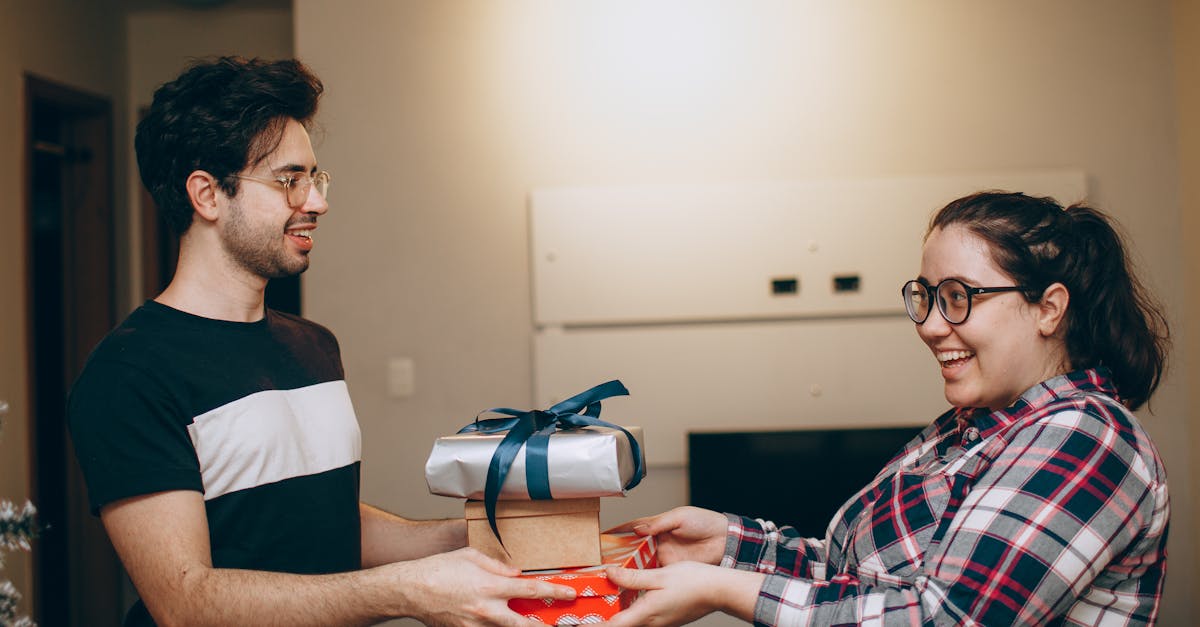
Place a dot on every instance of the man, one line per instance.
(217, 437)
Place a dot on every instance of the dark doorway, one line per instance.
(77, 577)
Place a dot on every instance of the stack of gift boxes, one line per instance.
(533, 484)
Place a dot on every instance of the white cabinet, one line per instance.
(675, 254)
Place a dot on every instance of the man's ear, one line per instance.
(202, 191)
(1052, 308)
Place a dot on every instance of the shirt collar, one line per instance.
(1073, 383)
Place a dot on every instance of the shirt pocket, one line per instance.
(893, 534)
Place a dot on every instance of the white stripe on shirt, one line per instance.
(274, 435)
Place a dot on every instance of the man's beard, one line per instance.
(259, 248)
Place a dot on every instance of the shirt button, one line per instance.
(971, 435)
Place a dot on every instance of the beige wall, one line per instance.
(442, 116)
(1185, 17)
(78, 44)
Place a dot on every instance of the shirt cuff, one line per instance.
(744, 543)
(783, 601)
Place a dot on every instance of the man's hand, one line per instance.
(683, 534)
(465, 587)
(684, 592)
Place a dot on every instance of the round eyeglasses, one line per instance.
(296, 185)
(952, 295)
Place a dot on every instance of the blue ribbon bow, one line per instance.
(533, 429)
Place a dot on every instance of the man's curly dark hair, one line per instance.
(219, 116)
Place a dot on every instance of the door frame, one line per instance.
(93, 575)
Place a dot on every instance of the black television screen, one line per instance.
(797, 478)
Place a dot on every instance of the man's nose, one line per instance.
(315, 202)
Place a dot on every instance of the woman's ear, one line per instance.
(1052, 308)
(202, 191)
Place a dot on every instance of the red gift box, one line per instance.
(597, 598)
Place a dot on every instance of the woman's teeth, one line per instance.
(949, 356)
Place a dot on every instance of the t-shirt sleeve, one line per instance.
(130, 437)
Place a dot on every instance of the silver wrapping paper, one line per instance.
(583, 463)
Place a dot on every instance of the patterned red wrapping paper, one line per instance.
(598, 598)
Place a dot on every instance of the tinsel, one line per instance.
(9, 597)
(17, 528)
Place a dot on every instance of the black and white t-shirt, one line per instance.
(256, 416)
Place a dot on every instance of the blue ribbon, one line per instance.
(532, 429)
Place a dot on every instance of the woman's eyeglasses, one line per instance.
(952, 295)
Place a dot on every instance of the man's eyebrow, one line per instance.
(295, 167)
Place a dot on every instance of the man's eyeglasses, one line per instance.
(953, 299)
(296, 185)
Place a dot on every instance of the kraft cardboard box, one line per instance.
(539, 535)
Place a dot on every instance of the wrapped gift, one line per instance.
(559, 533)
(598, 598)
(581, 463)
(584, 448)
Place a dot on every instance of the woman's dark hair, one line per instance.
(1111, 320)
(219, 116)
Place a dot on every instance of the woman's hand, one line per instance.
(683, 534)
(684, 592)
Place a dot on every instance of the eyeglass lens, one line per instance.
(297, 191)
(916, 301)
(953, 300)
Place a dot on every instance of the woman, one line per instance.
(1037, 499)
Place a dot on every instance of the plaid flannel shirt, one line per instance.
(1052, 511)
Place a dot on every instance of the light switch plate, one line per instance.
(400, 377)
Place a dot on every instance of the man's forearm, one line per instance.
(245, 597)
(388, 538)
